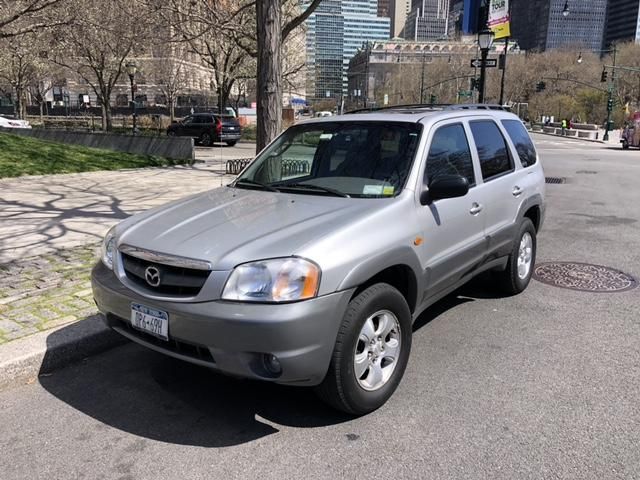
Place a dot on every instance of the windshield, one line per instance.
(362, 160)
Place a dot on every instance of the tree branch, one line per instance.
(297, 21)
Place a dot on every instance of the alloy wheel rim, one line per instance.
(525, 255)
(377, 350)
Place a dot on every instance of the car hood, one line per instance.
(230, 226)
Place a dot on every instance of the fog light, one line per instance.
(271, 364)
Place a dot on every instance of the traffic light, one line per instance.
(603, 78)
(432, 99)
(473, 84)
(610, 104)
(540, 86)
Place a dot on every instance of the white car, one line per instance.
(13, 123)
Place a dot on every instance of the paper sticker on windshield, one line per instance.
(326, 136)
(388, 190)
(372, 190)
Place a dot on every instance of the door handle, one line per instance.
(476, 208)
(517, 191)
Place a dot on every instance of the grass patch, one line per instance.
(30, 156)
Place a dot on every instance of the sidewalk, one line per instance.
(50, 233)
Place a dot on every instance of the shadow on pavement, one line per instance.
(149, 395)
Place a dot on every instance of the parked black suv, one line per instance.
(207, 128)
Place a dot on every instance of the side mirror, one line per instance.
(445, 186)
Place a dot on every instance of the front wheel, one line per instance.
(625, 145)
(515, 278)
(371, 351)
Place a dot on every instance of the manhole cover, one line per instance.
(554, 180)
(584, 277)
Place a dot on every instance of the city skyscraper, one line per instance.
(335, 31)
(623, 22)
(398, 11)
(540, 24)
(428, 20)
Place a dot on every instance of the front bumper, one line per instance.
(234, 336)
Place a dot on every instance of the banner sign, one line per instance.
(499, 18)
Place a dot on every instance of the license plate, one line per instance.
(149, 320)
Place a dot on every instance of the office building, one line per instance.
(384, 8)
(335, 31)
(464, 17)
(540, 24)
(398, 11)
(428, 20)
(623, 22)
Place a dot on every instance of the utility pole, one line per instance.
(610, 96)
(504, 69)
(422, 80)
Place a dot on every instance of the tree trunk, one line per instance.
(104, 118)
(269, 88)
(172, 109)
(42, 113)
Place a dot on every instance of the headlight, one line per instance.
(108, 248)
(276, 280)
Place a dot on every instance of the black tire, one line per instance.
(232, 143)
(625, 145)
(206, 139)
(340, 387)
(171, 133)
(509, 280)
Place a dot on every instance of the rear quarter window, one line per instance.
(522, 141)
(493, 153)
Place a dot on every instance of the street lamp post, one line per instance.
(485, 40)
(131, 71)
(422, 80)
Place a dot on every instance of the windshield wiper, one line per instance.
(253, 183)
(320, 188)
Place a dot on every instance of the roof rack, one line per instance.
(434, 106)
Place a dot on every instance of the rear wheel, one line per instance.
(515, 278)
(625, 145)
(171, 133)
(371, 351)
(206, 139)
(232, 143)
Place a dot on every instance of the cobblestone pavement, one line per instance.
(40, 214)
(39, 293)
(51, 226)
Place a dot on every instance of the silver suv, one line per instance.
(311, 266)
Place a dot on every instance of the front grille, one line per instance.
(175, 281)
(186, 349)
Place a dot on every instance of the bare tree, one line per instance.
(170, 77)
(272, 30)
(18, 69)
(97, 46)
(18, 17)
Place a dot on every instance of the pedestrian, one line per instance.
(564, 126)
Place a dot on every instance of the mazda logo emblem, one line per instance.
(152, 276)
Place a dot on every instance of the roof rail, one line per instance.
(478, 106)
(412, 106)
(434, 106)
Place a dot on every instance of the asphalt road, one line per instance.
(542, 385)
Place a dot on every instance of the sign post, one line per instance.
(500, 23)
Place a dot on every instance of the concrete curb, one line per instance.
(24, 359)
(569, 138)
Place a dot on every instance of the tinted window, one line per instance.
(492, 148)
(203, 119)
(449, 154)
(522, 141)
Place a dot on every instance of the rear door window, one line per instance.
(449, 154)
(522, 141)
(492, 149)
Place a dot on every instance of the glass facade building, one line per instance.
(428, 20)
(540, 25)
(335, 31)
(623, 22)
